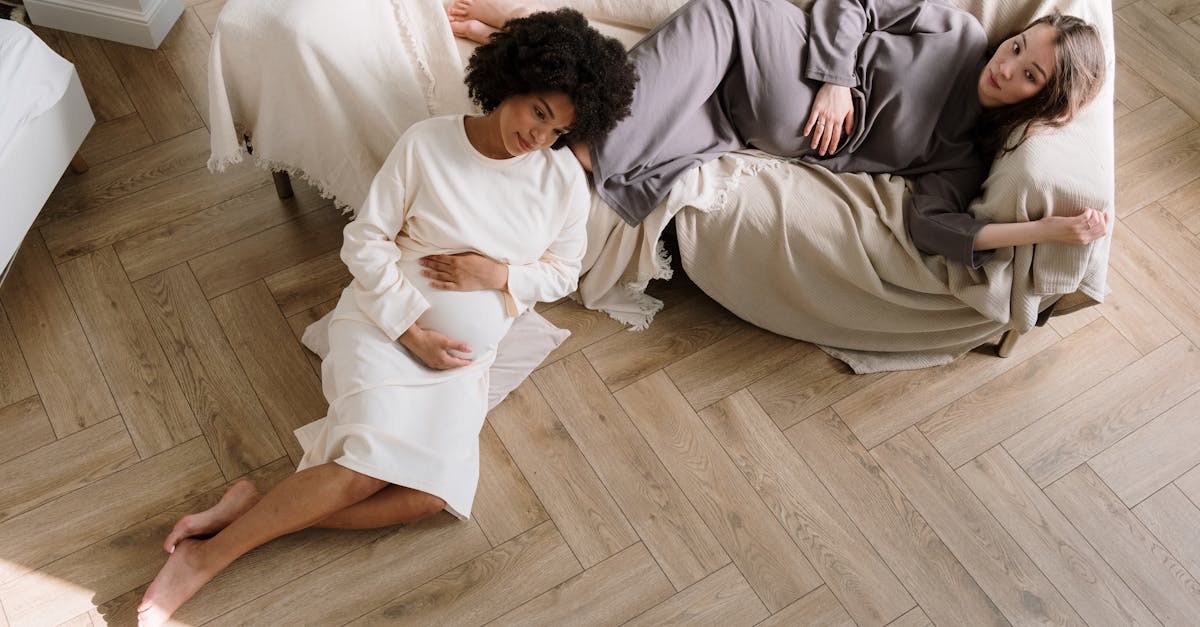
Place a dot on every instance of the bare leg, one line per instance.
(493, 13)
(239, 498)
(392, 505)
(299, 501)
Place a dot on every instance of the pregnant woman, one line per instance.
(470, 221)
(905, 87)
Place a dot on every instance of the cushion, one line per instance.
(526, 345)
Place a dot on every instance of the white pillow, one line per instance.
(528, 341)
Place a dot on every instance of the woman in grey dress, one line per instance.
(905, 87)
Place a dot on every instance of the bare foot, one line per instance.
(240, 497)
(493, 13)
(472, 30)
(179, 580)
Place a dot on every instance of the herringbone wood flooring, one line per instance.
(702, 472)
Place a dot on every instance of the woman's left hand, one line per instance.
(464, 272)
(832, 112)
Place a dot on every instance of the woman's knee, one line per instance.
(359, 485)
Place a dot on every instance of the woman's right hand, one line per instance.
(433, 348)
(1089, 226)
(832, 112)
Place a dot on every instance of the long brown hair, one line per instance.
(1079, 70)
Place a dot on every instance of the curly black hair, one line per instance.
(556, 51)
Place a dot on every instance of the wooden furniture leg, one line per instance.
(283, 184)
(78, 165)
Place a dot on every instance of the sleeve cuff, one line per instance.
(835, 78)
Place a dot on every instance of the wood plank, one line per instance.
(15, 381)
(587, 327)
(57, 352)
(812, 382)
(146, 209)
(243, 214)
(762, 550)
(819, 607)
(1157, 453)
(609, 593)
(154, 89)
(1190, 484)
(1048, 538)
(115, 138)
(994, 560)
(1175, 521)
(1067, 324)
(125, 175)
(934, 577)
(722, 598)
(1170, 239)
(101, 83)
(1192, 27)
(1133, 316)
(852, 570)
(1132, 90)
(229, 414)
(560, 475)
(25, 427)
(83, 620)
(1184, 204)
(399, 560)
(102, 508)
(1162, 171)
(309, 283)
(1165, 288)
(1005, 405)
(505, 506)
(914, 618)
(186, 51)
(64, 466)
(208, 12)
(1092, 422)
(1157, 69)
(300, 322)
(137, 371)
(900, 400)
(1161, 32)
(242, 262)
(1150, 127)
(273, 361)
(487, 586)
(108, 568)
(1142, 562)
(1178, 10)
(656, 507)
(677, 332)
(1120, 110)
(732, 363)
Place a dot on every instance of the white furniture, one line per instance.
(44, 117)
(135, 22)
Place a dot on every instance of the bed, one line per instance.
(789, 247)
(44, 117)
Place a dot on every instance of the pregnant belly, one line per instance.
(477, 317)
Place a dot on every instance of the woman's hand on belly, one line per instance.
(832, 112)
(433, 348)
(464, 272)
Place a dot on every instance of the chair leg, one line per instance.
(1008, 341)
(283, 184)
(78, 165)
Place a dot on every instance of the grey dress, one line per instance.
(720, 75)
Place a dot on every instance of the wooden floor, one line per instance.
(702, 472)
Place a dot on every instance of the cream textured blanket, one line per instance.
(792, 248)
